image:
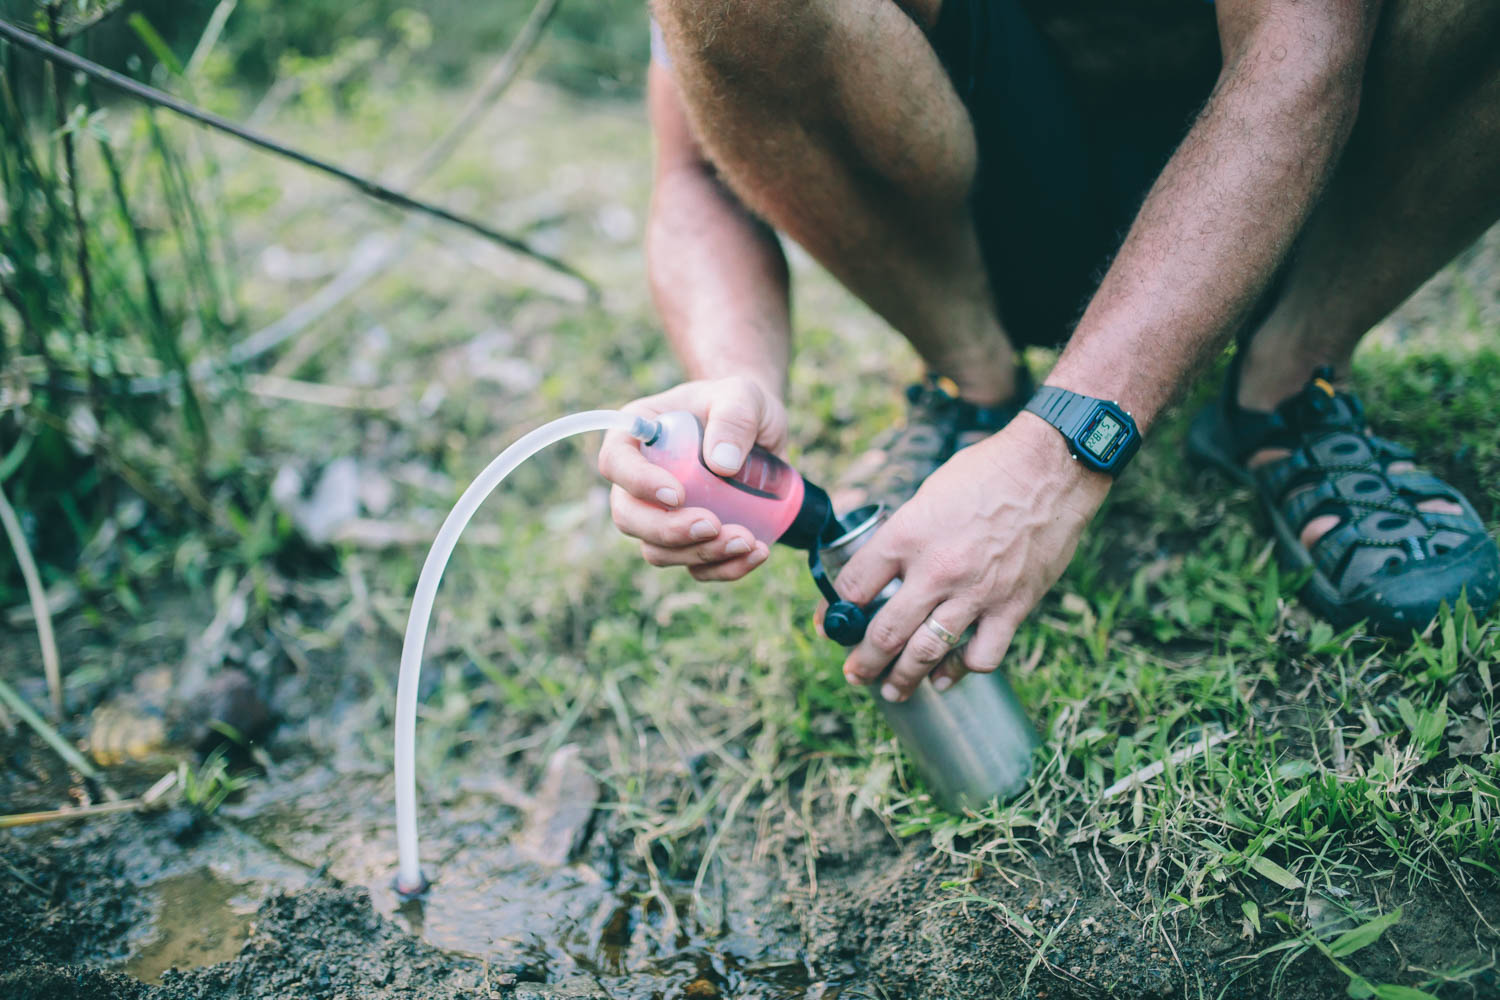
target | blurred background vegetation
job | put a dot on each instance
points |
(592, 47)
(119, 268)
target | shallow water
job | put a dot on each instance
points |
(201, 919)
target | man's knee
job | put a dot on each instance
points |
(761, 43)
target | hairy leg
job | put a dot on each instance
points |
(1418, 182)
(835, 121)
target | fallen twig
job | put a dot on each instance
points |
(342, 397)
(1144, 774)
(366, 185)
(51, 664)
(372, 255)
(146, 801)
(369, 257)
(50, 736)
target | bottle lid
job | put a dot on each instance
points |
(812, 520)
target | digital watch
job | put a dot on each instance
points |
(1099, 433)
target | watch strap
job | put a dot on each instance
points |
(1067, 411)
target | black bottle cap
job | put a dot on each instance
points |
(807, 528)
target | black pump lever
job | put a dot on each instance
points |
(844, 622)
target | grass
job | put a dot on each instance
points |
(1359, 770)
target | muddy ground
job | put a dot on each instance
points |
(286, 890)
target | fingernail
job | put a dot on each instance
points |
(759, 555)
(667, 497)
(853, 678)
(737, 547)
(726, 455)
(703, 529)
(942, 683)
(889, 693)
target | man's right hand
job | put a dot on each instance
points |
(736, 414)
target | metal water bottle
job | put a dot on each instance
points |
(973, 742)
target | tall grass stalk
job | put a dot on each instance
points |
(108, 272)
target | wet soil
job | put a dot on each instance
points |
(286, 892)
(260, 905)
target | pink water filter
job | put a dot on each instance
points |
(766, 495)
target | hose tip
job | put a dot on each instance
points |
(414, 892)
(645, 431)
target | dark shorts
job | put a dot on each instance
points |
(1058, 183)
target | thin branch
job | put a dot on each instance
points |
(1177, 757)
(366, 185)
(495, 82)
(367, 260)
(38, 597)
(151, 798)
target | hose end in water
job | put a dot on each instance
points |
(416, 892)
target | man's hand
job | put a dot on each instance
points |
(983, 539)
(736, 414)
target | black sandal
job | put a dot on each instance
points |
(1386, 561)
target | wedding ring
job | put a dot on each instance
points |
(936, 628)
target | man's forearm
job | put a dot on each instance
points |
(1221, 217)
(719, 280)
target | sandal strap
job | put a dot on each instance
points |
(960, 416)
(1334, 466)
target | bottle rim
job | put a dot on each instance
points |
(863, 518)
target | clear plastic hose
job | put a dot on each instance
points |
(409, 878)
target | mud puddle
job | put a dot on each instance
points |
(201, 919)
(596, 918)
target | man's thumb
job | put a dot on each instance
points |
(732, 426)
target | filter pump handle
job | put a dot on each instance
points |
(844, 622)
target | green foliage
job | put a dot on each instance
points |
(113, 274)
(593, 46)
(206, 787)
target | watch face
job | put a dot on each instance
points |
(1103, 439)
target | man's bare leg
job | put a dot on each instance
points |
(835, 121)
(1418, 182)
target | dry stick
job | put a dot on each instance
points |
(366, 185)
(146, 801)
(38, 598)
(1145, 774)
(494, 84)
(369, 257)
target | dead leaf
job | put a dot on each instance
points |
(1473, 738)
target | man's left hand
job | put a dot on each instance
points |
(979, 544)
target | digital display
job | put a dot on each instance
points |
(1101, 440)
